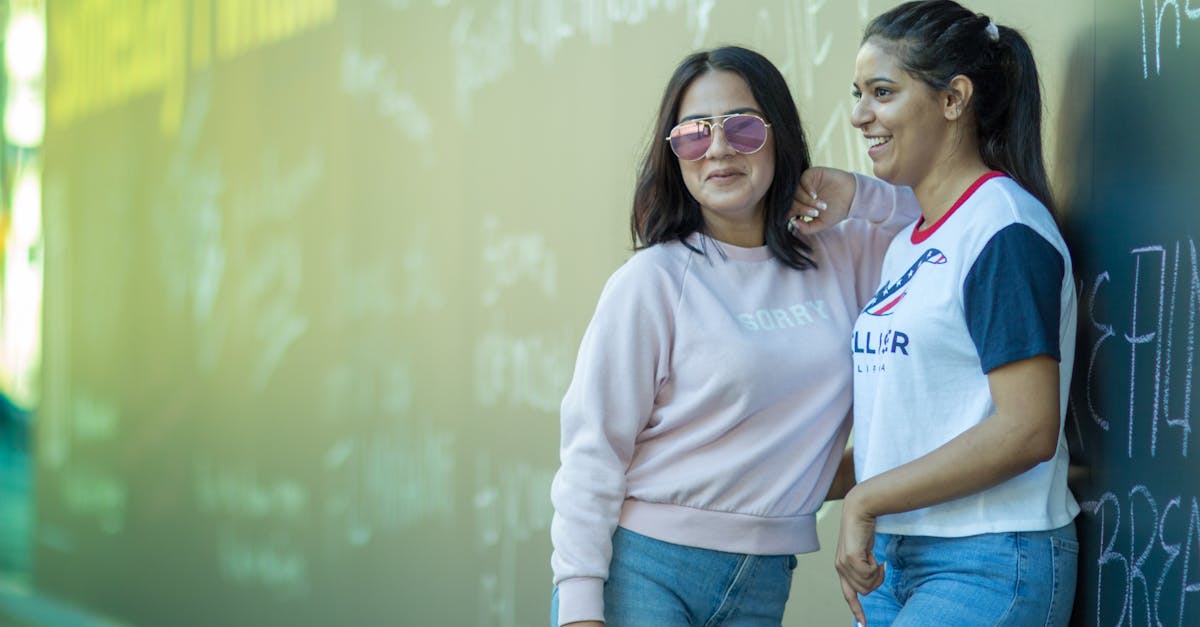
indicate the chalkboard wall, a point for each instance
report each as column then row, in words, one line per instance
column 316, row 272
column 1133, row 223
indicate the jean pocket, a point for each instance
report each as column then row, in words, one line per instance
column 1065, row 556
column 1065, row 545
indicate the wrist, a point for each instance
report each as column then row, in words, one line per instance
column 860, row 502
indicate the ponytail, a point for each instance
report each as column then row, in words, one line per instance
column 1010, row 128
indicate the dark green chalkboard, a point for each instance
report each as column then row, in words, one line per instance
column 1133, row 224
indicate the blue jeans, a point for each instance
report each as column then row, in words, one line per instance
column 1016, row 579
column 653, row 583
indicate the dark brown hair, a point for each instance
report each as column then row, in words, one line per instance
column 663, row 208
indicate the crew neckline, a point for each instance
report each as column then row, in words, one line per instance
column 705, row 242
column 921, row 232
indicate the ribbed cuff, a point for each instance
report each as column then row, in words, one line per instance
column 580, row 598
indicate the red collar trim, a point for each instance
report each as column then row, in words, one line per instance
column 920, row 233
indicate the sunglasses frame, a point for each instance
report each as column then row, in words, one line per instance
column 719, row 120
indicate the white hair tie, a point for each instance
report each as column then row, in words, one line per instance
column 992, row 31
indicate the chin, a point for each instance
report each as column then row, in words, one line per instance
column 886, row 175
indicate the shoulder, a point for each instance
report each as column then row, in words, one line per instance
column 660, row 260
column 659, row 269
column 1004, row 203
column 1008, row 202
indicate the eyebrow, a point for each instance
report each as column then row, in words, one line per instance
column 877, row 79
column 729, row 112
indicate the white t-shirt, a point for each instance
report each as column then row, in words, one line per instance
column 988, row 284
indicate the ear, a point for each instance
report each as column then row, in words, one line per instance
column 957, row 96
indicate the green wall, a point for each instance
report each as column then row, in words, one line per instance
column 316, row 272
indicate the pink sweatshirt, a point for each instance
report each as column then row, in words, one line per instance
column 711, row 397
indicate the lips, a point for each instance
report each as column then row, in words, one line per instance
column 724, row 174
column 875, row 143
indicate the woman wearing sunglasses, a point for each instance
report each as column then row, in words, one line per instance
column 710, row 400
column 963, row 358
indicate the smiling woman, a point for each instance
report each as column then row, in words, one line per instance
column 698, row 440
column 962, row 360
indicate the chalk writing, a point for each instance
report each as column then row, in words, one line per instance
column 1153, row 323
column 93, row 419
column 272, row 561
column 484, row 46
column 238, row 491
column 388, row 481
column 808, row 43
column 526, row 371
column 367, row 76
column 1152, row 583
column 267, row 292
column 1106, row 332
column 1158, row 11
column 508, row 259
column 511, row 508
column 359, row 389
column 96, row 493
column 187, row 216
column 256, row 514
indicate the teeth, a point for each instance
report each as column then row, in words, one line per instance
column 875, row 141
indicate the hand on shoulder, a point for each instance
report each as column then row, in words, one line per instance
column 822, row 200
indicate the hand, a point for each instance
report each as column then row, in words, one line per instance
column 858, row 571
column 822, row 200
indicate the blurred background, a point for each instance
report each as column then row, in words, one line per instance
column 290, row 290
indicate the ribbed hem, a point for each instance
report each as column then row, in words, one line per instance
column 580, row 598
column 722, row 531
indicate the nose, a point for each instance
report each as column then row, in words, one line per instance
column 719, row 147
column 861, row 114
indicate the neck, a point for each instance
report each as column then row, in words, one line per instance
column 939, row 191
column 746, row 233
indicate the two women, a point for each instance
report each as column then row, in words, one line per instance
column 707, row 412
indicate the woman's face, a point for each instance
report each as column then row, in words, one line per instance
column 900, row 116
column 730, row 186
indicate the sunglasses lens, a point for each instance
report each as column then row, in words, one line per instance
column 690, row 140
column 745, row 133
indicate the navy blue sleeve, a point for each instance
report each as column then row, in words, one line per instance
column 1011, row 296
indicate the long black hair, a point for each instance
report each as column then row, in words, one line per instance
column 663, row 208
column 936, row 40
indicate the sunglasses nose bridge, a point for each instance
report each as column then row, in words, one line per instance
column 722, row 146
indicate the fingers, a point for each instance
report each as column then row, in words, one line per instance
column 863, row 574
column 863, row 580
column 805, row 217
column 852, row 600
column 807, row 205
column 795, row 224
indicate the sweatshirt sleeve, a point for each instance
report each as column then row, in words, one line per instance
column 888, row 207
column 878, row 212
column 622, row 363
